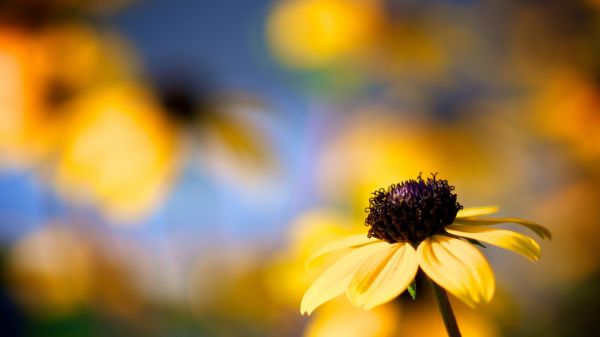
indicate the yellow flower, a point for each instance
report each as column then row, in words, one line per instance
column 308, row 34
column 117, row 152
column 25, row 118
column 418, row 223
column 40, row 71
column 51, row 270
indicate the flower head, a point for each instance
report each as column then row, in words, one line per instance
column 418, row 224
column 412, row 211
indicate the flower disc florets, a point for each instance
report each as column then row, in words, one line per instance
column 412, row 210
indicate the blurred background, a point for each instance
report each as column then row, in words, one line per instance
column 166, row 166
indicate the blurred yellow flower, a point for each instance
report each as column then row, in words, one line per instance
column 415, row 224
column 313, row 33
column 77, row 58
column 24, row 117
column 51, row 270
column 42, row 69
column 117, row 151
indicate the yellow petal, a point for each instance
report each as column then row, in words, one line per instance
column 476, row 211
column 541, row 231
column 516, row 242
column 383, row 276
column 335, row 279
column 347, row 242
column 458, row 267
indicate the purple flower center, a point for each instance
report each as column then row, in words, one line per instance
column 412, row 210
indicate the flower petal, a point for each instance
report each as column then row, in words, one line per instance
column 458, row 267
column 510, row 240
column 347, row 242
column 541, row 231
column 334, row 279
column 383, row 276
column 476, row 211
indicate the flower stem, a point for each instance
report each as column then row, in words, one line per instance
column 445, row 309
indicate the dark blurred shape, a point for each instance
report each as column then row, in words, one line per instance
column 178, row 101
column 185, row 96
column 36, row 14
column 578, row 312
column 223, row 122
column 11, row 317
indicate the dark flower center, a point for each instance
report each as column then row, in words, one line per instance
column 412, row 210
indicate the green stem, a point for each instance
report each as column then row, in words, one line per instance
column 445, row 309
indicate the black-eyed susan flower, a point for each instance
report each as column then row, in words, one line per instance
column 418, row 224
